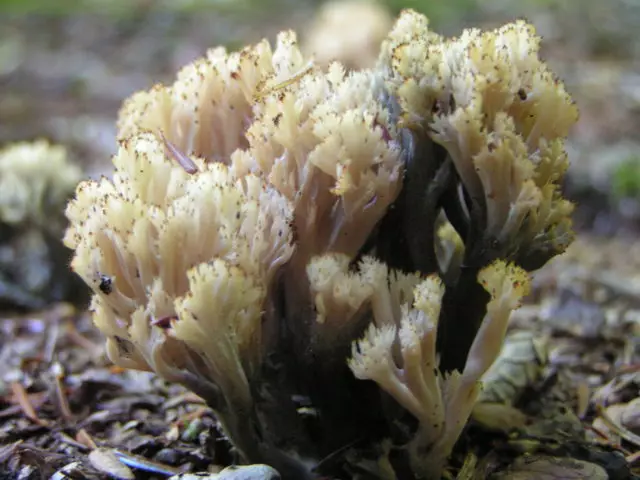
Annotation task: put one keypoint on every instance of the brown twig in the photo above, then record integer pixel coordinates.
(583, 394)
(36, 400)
(61, 396)
(53, 332)
(8, 451)
(63, 437)
(85, 439)
(22, 397)
(599, 433)
(631, 368)
(633, 458)
(53, 318)
(80, 340)
(620, 430)
(185, 398)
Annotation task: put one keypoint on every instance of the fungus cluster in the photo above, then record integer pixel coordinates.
(501, 116)
(261, 240)
(37, 179)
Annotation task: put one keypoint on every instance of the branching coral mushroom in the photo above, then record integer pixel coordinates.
(37, 179)
(488, 122)
(181, 266)
(441, 404)
(275, 234)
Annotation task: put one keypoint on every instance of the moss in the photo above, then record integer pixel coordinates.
(625, 181)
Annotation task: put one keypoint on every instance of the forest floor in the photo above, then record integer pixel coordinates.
(62, 404)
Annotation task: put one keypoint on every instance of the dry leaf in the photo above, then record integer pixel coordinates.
(540, 467)
(499, 417)
(105, 460)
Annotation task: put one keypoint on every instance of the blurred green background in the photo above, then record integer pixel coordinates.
(66, 66)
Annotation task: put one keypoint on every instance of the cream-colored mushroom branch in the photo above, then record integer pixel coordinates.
(398, 352)
(181, 265)
(485, 122)
(275, 233)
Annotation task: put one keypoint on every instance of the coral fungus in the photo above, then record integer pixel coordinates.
(276, 233)
(36, 181)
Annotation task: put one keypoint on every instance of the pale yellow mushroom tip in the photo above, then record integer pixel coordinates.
(505, 280)
(501, 114)
(371, 357)
(428, 295)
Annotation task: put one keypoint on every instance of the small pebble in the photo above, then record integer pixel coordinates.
(169, 456)
(249, 472)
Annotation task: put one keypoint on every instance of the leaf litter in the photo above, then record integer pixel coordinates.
(66, 412)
